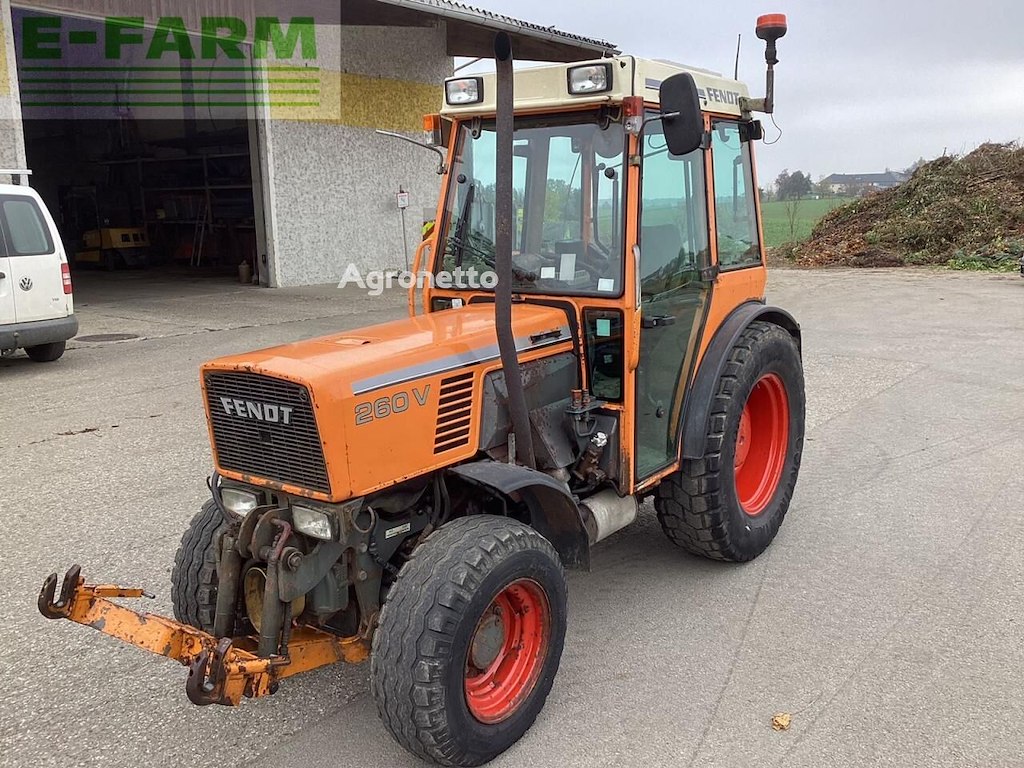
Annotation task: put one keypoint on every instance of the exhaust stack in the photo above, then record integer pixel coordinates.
(504, 127)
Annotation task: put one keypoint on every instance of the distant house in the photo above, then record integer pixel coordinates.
(858, 183)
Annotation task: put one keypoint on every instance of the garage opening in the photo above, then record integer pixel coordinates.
(147, 166)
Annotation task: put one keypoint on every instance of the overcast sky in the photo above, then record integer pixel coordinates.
(861, 86)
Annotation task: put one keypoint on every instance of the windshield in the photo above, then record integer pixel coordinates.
(567, 187)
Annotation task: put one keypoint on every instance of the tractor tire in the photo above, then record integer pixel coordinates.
(729, 504)
(194, 576)
(469, 640)
(46, 353)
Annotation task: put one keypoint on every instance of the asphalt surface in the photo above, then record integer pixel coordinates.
(886, 617)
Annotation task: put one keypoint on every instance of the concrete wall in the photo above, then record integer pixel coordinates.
(12, 134)
(332, 180)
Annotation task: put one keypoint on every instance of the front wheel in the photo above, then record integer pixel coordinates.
(729, 504)
(194, 577)
(469, 640)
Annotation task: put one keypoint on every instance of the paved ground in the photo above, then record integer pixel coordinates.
(886, 617)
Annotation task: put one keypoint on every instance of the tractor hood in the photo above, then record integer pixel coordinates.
(343, 415)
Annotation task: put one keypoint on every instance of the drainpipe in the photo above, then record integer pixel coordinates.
(517, 409)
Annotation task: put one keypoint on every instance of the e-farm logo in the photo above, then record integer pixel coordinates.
(168, 64)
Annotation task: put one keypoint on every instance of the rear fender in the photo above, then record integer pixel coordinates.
(553, 510)
(698, 403)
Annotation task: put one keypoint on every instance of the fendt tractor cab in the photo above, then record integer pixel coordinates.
(411, 492)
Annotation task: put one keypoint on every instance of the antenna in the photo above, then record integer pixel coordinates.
(736, 72)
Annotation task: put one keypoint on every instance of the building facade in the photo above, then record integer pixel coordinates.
(233, 131)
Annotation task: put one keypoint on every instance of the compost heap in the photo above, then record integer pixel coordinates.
(965, 212)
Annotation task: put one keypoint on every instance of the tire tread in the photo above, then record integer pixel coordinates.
(414, 635)
(194, 575)
(689, 503)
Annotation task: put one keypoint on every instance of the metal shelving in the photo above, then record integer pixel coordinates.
(202, 191)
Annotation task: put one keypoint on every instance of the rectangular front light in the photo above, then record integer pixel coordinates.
(312, 522)
(464, 90)
(238, 502)
(591, 78)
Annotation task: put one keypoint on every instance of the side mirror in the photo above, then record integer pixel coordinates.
(682, 120)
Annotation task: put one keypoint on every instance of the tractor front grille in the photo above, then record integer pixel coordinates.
(265, 427)
(454, 413)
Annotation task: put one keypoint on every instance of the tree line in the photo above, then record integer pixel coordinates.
(794, 186)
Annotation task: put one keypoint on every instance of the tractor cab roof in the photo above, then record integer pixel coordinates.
(548, 87)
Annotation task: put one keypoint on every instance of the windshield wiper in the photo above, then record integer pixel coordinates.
(459, 236)
(464, 246)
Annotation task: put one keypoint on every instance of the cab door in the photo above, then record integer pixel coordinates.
(34, 259)
(674, 252)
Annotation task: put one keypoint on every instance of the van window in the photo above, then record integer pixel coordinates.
(27, 234)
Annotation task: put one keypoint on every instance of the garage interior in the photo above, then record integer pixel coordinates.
(167, 198)
(149, 193)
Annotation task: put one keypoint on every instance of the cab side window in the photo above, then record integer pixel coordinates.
(735, 211)
(673, 218)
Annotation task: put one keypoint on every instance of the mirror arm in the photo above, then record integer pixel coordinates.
(748, 106)
(442, 167)
(655, 118)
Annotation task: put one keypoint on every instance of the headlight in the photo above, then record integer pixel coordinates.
(464, 90)
(592, 78)
(312, 522)
(239, 502)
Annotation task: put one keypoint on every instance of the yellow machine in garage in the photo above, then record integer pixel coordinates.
(112, 247)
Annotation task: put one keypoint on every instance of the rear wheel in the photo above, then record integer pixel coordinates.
(46, 353)
(729, 504)
(194, 576)
(469, 640)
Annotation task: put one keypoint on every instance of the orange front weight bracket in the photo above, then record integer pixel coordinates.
(221, 671)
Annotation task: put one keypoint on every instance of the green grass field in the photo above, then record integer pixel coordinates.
(808, 213)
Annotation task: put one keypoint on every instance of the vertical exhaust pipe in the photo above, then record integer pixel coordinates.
(504, 126)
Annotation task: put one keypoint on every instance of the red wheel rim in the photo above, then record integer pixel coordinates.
(507, 651)
(762, 441)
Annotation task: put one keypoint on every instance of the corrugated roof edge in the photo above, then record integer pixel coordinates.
(463, 12)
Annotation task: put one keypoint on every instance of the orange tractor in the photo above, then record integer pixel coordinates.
(593, 333)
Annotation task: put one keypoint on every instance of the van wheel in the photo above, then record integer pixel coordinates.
(729, 504)
(194, 576)
(469, 640)
(46, 353)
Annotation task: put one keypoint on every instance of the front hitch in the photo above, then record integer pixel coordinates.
(207, 676)
(61, 609)
(221, 670)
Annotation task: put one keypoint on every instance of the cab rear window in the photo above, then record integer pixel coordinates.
(25, 230)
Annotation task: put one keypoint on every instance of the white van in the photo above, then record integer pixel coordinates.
(37, 309)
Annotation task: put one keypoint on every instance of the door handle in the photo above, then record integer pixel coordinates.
(657, 321)
(537, 338)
